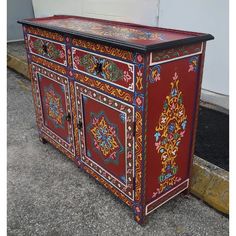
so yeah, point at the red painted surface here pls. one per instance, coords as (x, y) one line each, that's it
(111, 159)
(171, 53)
(52, 105)
(168, 195)
(188, 83)
(50, 89)
(132, 33)
(113, 71)
(47, 49)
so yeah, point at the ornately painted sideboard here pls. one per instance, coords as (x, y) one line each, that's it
(120, 100)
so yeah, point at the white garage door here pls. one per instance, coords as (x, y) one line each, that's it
(137, 11)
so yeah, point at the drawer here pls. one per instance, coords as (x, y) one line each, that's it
(48, 49)
(116, 72)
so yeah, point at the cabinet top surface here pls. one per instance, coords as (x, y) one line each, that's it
(135, 36)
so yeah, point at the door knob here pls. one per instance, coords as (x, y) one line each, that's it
(98, 67)
(45, 48)
(80, 125)
(68, 117)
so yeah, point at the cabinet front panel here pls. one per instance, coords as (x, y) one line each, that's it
(107, 69)
(52, 94)
(106, 137)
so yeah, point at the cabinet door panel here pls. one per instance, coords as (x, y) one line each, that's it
(53, 107)
(106, 137)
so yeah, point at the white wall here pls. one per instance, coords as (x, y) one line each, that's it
(43, 8)
(136, 11)
(17, 10)
(210, 16)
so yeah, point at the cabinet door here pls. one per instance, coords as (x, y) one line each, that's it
(53, 107)
(106, 137)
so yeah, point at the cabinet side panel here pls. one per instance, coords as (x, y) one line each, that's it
(173, 100)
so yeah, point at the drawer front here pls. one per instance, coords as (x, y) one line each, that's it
(48, 49)
(106, 137)
(53, 107)
(113, 71)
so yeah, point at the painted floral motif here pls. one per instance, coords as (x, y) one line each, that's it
(127, 77)
(46, 48)
(167, 54)
(121, 94)
(139, 99)
(139, 79)
(122, 117)
(155, 74)
(105, 49)
(54, 108)
(105, 137)
(49, 64)
(107, 30)
(169, 132)
(139, 58)
(193, 64)
(108, 69)
(45, 33)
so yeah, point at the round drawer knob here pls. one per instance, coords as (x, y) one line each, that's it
(99, 67)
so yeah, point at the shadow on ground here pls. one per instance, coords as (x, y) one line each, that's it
(212, 141)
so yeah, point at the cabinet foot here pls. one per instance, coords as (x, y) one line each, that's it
(140, 220)
(139, 216)
(43, 140)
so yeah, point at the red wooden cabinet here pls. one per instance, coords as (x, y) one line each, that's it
(121, 100)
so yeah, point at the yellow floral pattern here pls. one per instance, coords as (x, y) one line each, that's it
(168, 134)
(105, 137)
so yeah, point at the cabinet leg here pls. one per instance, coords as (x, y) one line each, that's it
(139, 215)
(43, 140)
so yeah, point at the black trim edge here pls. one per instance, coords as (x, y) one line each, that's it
(122, 44)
